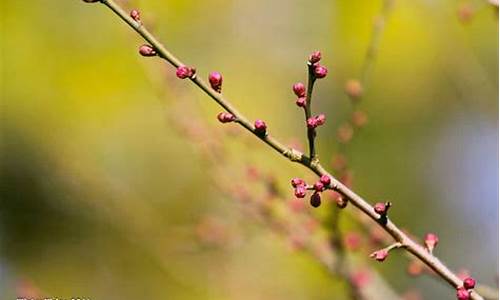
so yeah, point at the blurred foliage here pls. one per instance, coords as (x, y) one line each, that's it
(101, 195)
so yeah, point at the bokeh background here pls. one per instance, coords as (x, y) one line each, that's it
(102, 195)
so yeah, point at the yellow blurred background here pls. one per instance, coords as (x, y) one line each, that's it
(102, 195)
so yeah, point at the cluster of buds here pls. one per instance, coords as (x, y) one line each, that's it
(463, 292)
(300, 189)
(184, 72)
(316, 121)
(319, 71)
(225, 117)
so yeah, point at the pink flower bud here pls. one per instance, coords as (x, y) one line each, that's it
(299, 89)
(318, 186)
(260, 126)
(315, 200)
(463, 294)
(431, 240)
(184, 72)
(381, 208)
(326, 180)
(134, 14)
(320, 119)
(215, 79)
(312, 123)
(300, 191)
(147, 50)
(469, 283)
(297, 182)
(320, 71)
(315, 57)
(380, 255)
(301, 102)
(225, 117)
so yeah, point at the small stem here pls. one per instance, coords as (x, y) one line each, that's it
(311, 132)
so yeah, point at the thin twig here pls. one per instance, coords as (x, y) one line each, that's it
(293, 155)
(311, 132)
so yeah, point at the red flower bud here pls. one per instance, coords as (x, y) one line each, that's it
(297, 182)
(299, 89)
(315, 199)
(225, 117)
(316, 121)
(326, 180)
(215, 79)
(381, 208)
(463, 294)
(312, 123)
(134, 14)
(300, 191)
(315, 57)
(469, 283)
(185, 72)
(380, 255)
(301, 102)
(431, 240)
(320, 119)
(260, 126)
(147, 50)
(318, 186)
(320, 71)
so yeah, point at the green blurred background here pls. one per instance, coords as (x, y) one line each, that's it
(100, 194)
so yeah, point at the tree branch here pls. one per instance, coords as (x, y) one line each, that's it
(293, 155)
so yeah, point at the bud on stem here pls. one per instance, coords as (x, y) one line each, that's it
(147, 51)
(215, 79)
(134, 14)
(184, 72)
(260, 127)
